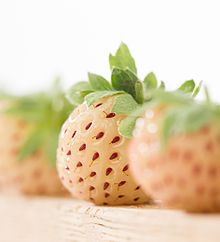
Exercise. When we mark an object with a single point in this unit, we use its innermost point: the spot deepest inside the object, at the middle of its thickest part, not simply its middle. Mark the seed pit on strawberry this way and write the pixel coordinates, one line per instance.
(106, 185)
(120, 196)
(82, 147)
(106, 195)
(91, 188)
(95, 156)
(80, 180)
(88, 126)
(69, 152)
(209, 146)
(187, 155)
(136, 199)
(115, 140)
(113, 156)
(108, 171)
(121, 183)
(168, 180)
(196, 170)
(92, 174)
(98, 105)
(74, 133)
(137, 188)
(99, 135)
(212, 172)
(125, 168)
(110, 115)
(79, 164)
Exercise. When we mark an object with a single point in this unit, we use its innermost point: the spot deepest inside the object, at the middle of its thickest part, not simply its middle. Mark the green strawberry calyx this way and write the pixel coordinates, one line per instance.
(131, 93)
(46, 112)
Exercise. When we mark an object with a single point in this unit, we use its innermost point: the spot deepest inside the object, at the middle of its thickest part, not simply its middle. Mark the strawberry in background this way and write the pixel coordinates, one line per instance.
(175, 152)
(29, 128)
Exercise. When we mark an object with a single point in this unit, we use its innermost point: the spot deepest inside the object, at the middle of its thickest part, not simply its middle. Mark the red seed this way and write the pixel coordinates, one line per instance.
(125, 168)
(69, 152)
(95, 156)
(91, 199)
(82, 147)
(67, 168)
(65, 131)
(105, 203)
(106, 185)
(108, 171)
(121, 183)
(91, 188)
(97, 105)
(168, 180)
(80, 179)
(209, 146)
(187, 155)
(120, 196)
(37, 174)
(138, 187)
(88, 126)
(74, 133)
(200, 189)
(110, 115)
(107, 195)
(113, 156)
(79, 164)
(93, 173)
(212, 172)
(115, 139)
(99, 135)
(196, 170)
(136, 199)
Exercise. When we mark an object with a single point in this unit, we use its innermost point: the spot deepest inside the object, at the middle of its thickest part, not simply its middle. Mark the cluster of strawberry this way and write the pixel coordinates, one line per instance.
(126, 141)
(131, 141)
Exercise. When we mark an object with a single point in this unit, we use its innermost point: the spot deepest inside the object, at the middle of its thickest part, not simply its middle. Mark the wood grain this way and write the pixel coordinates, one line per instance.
(58, 220)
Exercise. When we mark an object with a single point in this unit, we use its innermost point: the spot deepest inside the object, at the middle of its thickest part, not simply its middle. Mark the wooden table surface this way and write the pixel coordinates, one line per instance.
(58, 220)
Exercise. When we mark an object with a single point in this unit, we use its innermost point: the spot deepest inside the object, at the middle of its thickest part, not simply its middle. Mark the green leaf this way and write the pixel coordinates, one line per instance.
(197, 90)
(95, 96)
(185, 119)
(162, 85)
(124, 104)
(187, 87)
(150, 81)
(98, 83)
(139, 92)
(77, 92)
(122, 59)
(174, 98)
(122, 81)
(127, 126)
(32, 144)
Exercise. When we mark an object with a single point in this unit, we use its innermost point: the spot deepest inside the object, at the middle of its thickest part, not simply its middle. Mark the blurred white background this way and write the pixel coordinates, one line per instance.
(40, 39)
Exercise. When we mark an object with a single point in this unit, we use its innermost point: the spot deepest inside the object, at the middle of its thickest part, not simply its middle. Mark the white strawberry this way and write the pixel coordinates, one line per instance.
(175, 155)
(28, 143)
(92, 159)
(92, 154)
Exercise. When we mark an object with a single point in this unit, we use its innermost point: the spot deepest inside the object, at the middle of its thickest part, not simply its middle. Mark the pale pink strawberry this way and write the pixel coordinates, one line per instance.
(186, 173)
(32, 176)
(92, 159)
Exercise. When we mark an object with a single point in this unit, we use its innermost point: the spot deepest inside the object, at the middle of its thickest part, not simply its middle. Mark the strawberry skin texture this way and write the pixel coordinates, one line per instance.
(32, 176)
(186, 173)
(92, 158)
